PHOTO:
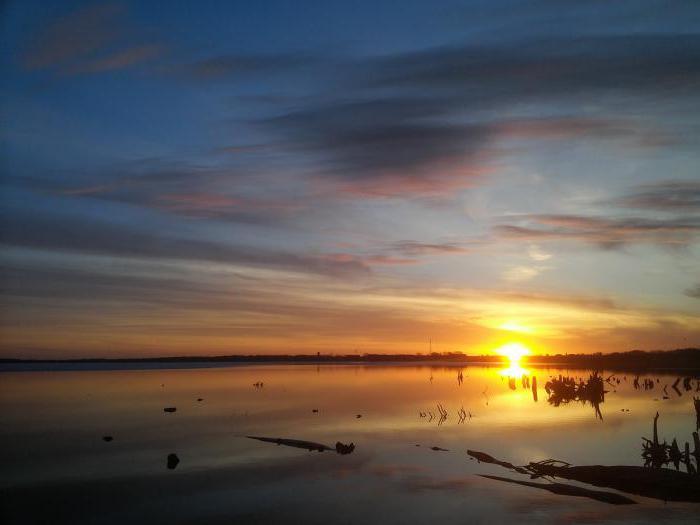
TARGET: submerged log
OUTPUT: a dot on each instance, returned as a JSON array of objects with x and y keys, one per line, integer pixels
[
  {"x": 296, "y": 443},
  {"x": 570, "y": 490},
  {"x": 482, "y": 457},
  {"x": 661, "y": 483},
  {"x": 340, "y": 448}
]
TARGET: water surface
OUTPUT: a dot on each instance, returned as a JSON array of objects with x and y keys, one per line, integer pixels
[{"x": 56, "y": 464}]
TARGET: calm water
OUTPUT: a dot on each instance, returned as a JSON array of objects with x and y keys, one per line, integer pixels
[{"x": 57, "y": 469}]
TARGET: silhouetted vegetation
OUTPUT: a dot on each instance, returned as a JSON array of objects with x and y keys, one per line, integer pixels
[
  {"x": 658, "y": 455},
  {"x": 637, "y": 360}
]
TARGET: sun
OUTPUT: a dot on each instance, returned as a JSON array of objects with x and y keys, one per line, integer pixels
[{"x": 513, "y": 351}]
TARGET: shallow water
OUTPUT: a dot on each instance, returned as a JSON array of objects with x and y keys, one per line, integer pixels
[{"x": 56, "y": 467}]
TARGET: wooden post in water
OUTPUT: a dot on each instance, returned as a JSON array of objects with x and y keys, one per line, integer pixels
[{"x": 534, "y": 388}]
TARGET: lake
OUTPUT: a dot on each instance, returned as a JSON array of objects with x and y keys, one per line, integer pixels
[{"x": 57, "y": 468}]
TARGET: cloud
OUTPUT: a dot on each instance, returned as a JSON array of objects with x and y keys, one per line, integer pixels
[
  {"x": 693, "y": 291},
  {"x": 92, "y": 39},
  {"x": 520, "y": 273},
  {"x": 608, "y": 232},
  {"x": 429, "y": 122},
  {"x": 400, "y": 253},
  {"x": 178, "y": 188},
  {"x": 240, "y": 65},
  {"x": 541, "y": 69},
  {"x": 74, "y": 234},
  {"x": 405, "y": 145},
  {"x": 415, "y": 248},
  {"x": 537, "y": 254},
  {"x": 120, "y": 59},
  {"x": 665, "y": 196}
]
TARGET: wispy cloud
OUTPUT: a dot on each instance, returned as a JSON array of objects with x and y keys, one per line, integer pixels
[
  {"x": 665, "y": 195},
  {"x": 537, "y": 254},
  {"x": 92, "y": 39},
  {"x": 520, "y": 273},
  {"x": 241, "y": 66},
  {"x": 415, "y": 248},
  {"x": 693, "y": 291},
  {"x": 72, "y": 234},
  {"x": 607, "y": 232}
]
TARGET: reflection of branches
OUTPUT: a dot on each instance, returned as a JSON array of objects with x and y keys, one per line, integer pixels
[
  {"x": 462, "y": 414},
  {"x": 563, "y": 390},
  {"x": 657, "y": 455},
  {"x": 443, "y": 414}
]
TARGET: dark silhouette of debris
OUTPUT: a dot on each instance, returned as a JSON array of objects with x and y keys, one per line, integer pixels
[
  {"x": 169, "y": 409},
  {"x": 173, "y": 461},
  {"x": 314, "y": 410},
  {"x": 199, "y": 399},
  {"x": 534, "y": 388},
  {"x": 107, "y": 438},
  {"x": 663, "y": 484},
  {"x": 564, "y": 489},
  {"x": 358, "y": 416},
  {"x": 343, "y": 449},
  {"x": 657, "y": 455},
  {"x": 563, "y": 390},
  {"x": 438, "y": 449},
  {"x": 340, "y": 448},
  {"x": 482, "y": 457}
]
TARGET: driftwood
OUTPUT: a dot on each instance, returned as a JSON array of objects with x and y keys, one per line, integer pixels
[
  {"x": 663, "y": 484},
  {"x": 482, "y": 457},
  {"x": 340, "y": 448},
  {"x": 564, "y": 489}
]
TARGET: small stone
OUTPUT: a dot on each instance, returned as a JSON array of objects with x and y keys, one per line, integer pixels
[{"x": 169, "y": 409}]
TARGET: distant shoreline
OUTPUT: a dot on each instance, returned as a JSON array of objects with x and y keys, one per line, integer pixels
[{"x": 687, "y": 359}]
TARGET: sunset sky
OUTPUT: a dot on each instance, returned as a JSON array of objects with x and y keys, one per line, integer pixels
[{"x": 229, "y": 177}]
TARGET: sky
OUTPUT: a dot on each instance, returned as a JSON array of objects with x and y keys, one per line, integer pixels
[{"x": 348, "y": 177}]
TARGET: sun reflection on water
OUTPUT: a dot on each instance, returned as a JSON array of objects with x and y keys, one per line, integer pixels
[{"x": 514, "y": 352}]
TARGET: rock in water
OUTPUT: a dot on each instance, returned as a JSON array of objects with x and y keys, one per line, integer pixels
[
  {"x": 107, "y": 438},
  {"x": 169, "y": 409},
  {"x": 173, "y": 460}
]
